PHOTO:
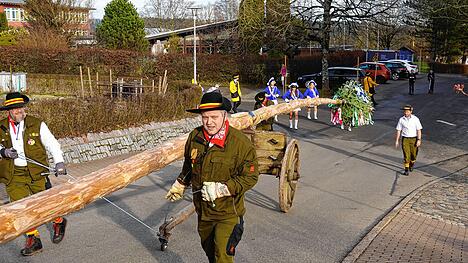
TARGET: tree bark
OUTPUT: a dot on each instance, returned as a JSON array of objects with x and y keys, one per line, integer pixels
[
  {"x": 18, "y": 217},
  {"x": 325, "y": 44}
]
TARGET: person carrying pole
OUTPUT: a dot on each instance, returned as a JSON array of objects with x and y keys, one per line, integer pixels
[
  {"x": 272, "y": 93},
  {"x": 220, "y": 163},
  {"x": 25, "y": 138}
]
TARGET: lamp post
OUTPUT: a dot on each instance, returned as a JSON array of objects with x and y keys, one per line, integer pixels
[{"x": 194, "y": 14}]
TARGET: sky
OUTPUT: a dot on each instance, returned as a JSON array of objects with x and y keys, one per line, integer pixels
[{"x": 100, "y": 4}]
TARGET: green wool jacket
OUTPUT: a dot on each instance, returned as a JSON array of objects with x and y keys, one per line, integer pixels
[
  {"x": 33, "y": 148},
  {"x": 234, "y": 165}
]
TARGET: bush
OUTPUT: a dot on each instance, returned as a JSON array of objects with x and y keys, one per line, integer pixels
[{"x": 77, "y": 117}]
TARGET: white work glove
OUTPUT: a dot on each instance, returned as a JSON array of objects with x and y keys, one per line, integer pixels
[
  {"x": 213, "y": 190},
  {"x": 176, "y": 192}
]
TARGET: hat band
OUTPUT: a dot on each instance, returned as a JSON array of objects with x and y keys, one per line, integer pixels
[
  {"x": 209, "y": 105},
  {"x": 13, "y": 101}
]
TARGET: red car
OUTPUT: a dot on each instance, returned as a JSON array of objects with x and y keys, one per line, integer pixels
[{"x": 379, "y": 72}]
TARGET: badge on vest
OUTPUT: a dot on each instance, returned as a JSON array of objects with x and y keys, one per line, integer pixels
[{"x": 31, "y": 142}]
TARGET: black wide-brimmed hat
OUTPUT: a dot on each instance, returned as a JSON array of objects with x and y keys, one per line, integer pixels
[
  {"x": 260, "y": 97},
  {"x": 212, "y": 101},
  {"x": 407, "y": 107},
  {"x": 14, "y": 100}
]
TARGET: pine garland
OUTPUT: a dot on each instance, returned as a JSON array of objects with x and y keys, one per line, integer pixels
[{"x": 357, "y": 107}]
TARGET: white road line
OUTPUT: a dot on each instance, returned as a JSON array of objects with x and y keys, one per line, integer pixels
[{"x": 444, "y": 122}]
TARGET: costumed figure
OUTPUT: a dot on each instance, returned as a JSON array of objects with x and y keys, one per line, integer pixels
[
  {"x": 293, "y": 94},
  {"x": 236, "y": 94},
  {"x": 260, "y": 102},
  {"x": 310, "y": 93},
  {"x": 272, "y": 93},
  {"x": 25, "y": 141}
]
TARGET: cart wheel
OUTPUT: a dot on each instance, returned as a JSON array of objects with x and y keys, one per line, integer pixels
[{"x": 289, "y": 175}]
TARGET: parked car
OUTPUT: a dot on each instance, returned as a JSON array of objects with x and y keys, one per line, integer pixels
[
  {"x": 410, "y": 66},
  {"x": 337, "y": 76},
  {"x": 398, "y": 69},
  {"x": 379, "y": 72}
]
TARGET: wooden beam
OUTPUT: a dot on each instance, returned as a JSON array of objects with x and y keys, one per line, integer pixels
[{"x": 18, "y": 217}]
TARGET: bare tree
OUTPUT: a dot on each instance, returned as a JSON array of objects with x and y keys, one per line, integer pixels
[
  {"x": 318, "y": 17},
  {"x": 226, "y": 9},
  {"x": 168, "y": 14}
]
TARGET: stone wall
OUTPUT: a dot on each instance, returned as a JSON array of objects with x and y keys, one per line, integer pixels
[{"x": 100, "y": 145}]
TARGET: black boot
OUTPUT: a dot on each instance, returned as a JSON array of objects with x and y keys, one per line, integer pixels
[
  {"x": 59, "y": 231},
  {"x": 33, "y": 245},
  {"x": 406, "y": 172},
  {"x": 411, "y": 167}
]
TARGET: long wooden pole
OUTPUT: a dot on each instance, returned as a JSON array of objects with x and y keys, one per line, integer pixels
[{"x": 17, "y": 217}]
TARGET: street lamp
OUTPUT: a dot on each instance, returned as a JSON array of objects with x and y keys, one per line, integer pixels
[{"x": 194, "y": 14}]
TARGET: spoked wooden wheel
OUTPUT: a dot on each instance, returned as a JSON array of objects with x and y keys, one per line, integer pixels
[{"x": 289, "y": 176}]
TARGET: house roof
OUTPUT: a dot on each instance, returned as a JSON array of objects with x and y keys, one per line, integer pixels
[
  {"x": 189, "y": 30},
  {"x": 407, "y": 48},
  {"x": 13, "y": 2}
]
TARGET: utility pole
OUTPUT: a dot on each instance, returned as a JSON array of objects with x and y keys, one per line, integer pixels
[{"x": 194, "y": 14}]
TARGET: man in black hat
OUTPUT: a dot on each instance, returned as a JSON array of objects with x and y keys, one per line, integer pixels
[
  {"x": 221, "y": 165},
  {"x": 25, "y": 138},
  {"x": 236, "y": 94},
  {"x": 409, "y": 128}
]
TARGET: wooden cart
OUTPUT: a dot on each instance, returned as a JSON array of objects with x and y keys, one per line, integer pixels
[{"x": 276, "y": 156}]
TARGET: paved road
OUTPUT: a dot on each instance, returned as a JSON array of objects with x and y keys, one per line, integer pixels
[{"x": 349, "y": 181}]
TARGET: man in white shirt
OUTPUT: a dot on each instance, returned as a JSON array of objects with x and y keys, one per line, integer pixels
[
  {"x": 23, "y": 141},
  {"x": 409, "y": 128}
]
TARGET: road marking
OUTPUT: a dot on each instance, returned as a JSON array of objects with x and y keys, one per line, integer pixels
[{"x": 445, "y": 122}]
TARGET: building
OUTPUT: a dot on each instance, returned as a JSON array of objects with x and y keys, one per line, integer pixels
[{"x": 78, "y": 20}]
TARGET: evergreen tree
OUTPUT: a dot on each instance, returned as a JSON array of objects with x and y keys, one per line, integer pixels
[
  {"x": 3, "y": 22},
  {"x": 122, "y": 27},
  {"x": 444, "y": 24}
]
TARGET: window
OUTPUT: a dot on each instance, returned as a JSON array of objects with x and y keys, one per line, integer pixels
[{"x": 15, "y": 14}]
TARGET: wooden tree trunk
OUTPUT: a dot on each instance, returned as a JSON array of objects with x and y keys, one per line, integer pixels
[{"x": 17, "y": 217}]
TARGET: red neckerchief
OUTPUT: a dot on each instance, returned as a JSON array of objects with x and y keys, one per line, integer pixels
[
  {"x": 12, "y": 123},
  {"x": 220, "y": 137}
]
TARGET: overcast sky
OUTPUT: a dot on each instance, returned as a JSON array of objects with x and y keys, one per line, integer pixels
[{"x": 100, "y": 4}]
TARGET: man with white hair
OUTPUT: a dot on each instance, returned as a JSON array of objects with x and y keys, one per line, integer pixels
[{"x": 220, "y": 164}]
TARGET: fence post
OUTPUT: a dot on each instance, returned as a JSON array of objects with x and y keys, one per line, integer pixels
[
  {"x": 110, "y": 81},
  {"x": 97, "y": 81},
  {"x": 82, "y": 84},
  {"x": 165, "y": 81},
  {"x": 159, "y": 87},
  {"x": 152, "y": 90},
  {"x": 90, "y": 83}
]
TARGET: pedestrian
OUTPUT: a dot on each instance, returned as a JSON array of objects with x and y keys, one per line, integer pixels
[
  {"x": 272, "y": 93},
  {"x": 310, "y": 93},
  {"x": 411, "y": 80},
  {"x": 409, "y": 128},
  {"x": 283, "y": 73},
  {"x": 431, "y": 79},
  {"x": 261, "y": 100},
  {"x": 220, "y": 164},
  {"x": 369, "y": 86},
  {"x": 23, "y": 136},
  {"x": 293, "y": 94},
  {"x": 236, "y": 94}
]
